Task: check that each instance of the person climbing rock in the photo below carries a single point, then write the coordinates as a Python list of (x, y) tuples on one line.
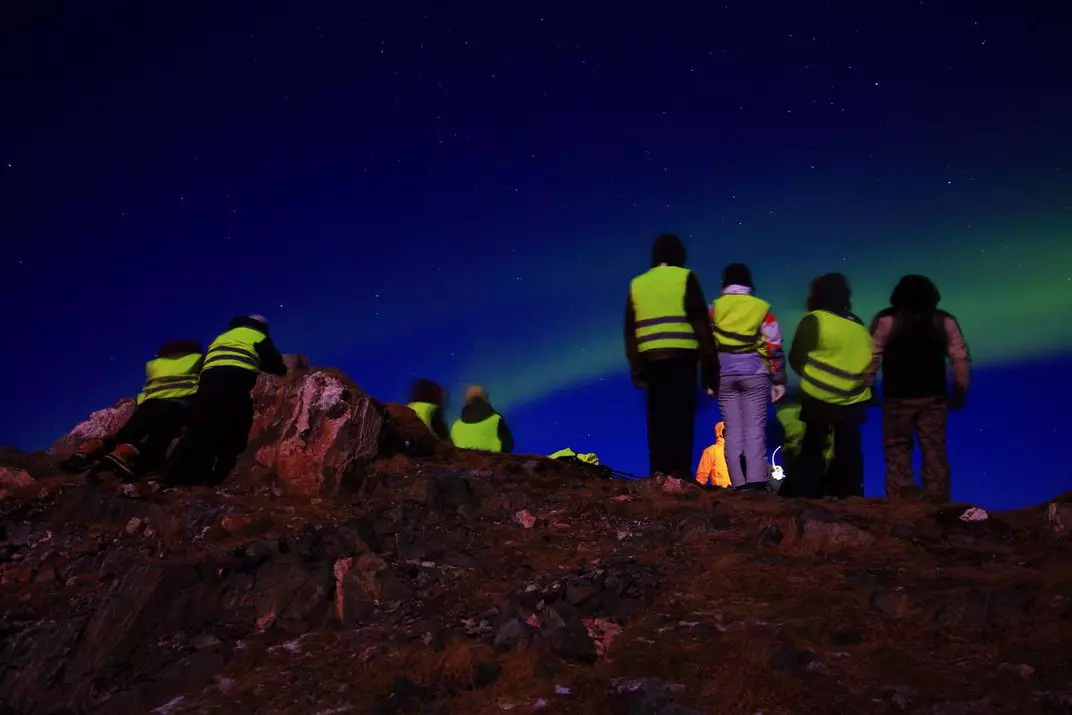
[(163, 409), (912, 340), (832, 354), (752, 374), (712, 470), (667, 333), (429, 400), (480, 426), (222, 412)]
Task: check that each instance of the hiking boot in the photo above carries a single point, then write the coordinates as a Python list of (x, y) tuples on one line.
[(84, 458), (121, 461)]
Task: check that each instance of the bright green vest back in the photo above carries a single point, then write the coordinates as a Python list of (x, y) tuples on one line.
[(659, 304), (235, 348), (169, 378), (737, 320), (425, 410), (836, 370), (482, 435)]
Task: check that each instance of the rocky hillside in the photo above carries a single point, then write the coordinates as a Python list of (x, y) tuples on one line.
[(354, 565)]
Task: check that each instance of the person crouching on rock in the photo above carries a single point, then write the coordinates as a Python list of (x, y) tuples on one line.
[(429, 400), (223, 408), (163, 409), (832, 354), (480, 426)]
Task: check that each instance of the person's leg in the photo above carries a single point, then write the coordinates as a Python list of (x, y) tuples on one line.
[(755, 399), (730, 404), (169, 418), (848, 461), (235, 436), (139, 424), (686, 388), (192, 460), (810, 465), (898, 418), (931, 424), (657, 416)]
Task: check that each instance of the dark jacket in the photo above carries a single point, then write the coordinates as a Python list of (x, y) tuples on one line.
[(479, 410), (912, 346), (696, 312)]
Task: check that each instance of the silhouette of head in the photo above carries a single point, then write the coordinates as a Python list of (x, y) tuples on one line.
[(475, 393), (425, 390), (830, 292), (668, 249), (250, 321), (737, 274), (915, 293)]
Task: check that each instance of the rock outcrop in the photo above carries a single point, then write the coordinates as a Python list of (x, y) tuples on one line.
[(454, 582)]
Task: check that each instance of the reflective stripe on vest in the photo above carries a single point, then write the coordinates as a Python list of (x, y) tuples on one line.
[(425, 410), (235, 348), (477, 435), (836, 370), (170, 378), (737, 322), (659, 306)]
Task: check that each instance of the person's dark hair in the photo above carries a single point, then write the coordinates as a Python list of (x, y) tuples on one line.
[(830, 292), (668, 249), (737, 274), (915, 293), (175, 348), (425, 390)]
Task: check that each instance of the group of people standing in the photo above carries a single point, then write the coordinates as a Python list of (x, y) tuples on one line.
[(669, 331)]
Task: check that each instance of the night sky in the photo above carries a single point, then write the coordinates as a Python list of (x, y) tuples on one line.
[(464, 192)]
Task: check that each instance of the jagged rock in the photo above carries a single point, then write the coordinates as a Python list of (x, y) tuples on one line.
[(1059, 518), (15, 479), (102, 423)]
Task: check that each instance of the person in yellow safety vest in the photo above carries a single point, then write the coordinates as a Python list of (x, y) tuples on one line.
[(751, 374), (163, 409), (480, 426), (832, 353), (667, 332), (713, 470), (792, 428), (223, 408), (428, 400), (567, 453)]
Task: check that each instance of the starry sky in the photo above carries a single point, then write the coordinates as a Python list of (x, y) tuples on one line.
[(462, 191)]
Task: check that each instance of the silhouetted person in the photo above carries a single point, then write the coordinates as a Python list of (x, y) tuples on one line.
[(752, 374), (667, 332), (912, 340), (832, 354), (223, 408), (429, 400), (480, 426), (140, 446)]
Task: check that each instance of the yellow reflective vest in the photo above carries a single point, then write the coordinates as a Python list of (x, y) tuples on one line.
[(737, 319), (587, 457), (235, 348), (483, 435), (659, 305), (836, 370), (170, 378), (425, 410)]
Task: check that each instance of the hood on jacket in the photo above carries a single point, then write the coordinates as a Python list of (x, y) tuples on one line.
[(256, 322), (915, 293), (720, 431), (477, 410), (177, 348)]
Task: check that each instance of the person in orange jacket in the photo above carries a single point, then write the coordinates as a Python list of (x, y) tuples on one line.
[(713, 471)]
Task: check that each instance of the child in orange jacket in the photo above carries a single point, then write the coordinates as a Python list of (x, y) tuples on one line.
[(713, 471)]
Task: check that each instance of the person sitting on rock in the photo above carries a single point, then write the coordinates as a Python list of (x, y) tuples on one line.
[(713, 470), (163, 409), (428, 400), (791, 429), (480, 426), (223, 408)]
